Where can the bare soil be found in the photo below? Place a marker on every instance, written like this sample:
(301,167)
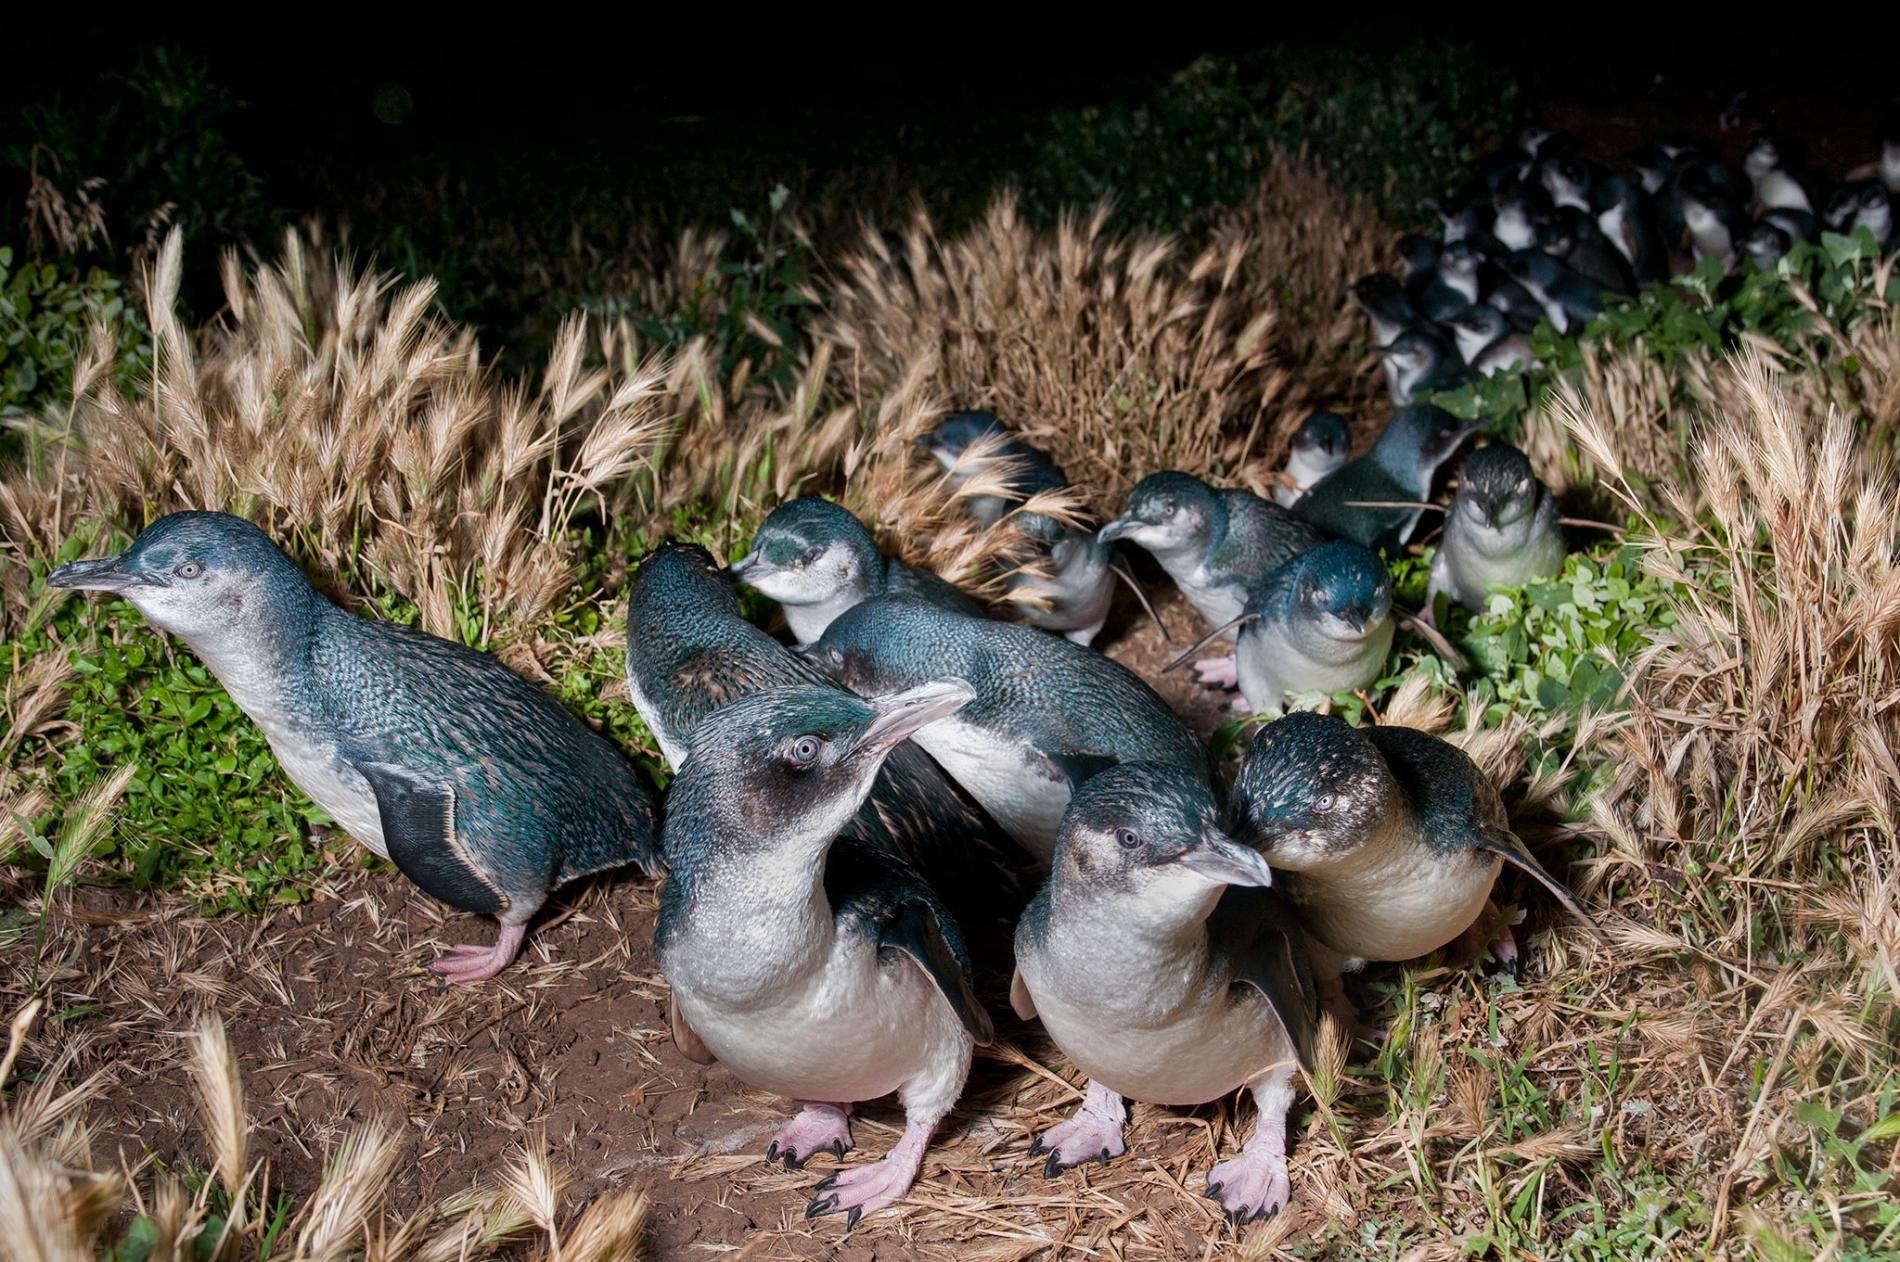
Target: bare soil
(334,1020)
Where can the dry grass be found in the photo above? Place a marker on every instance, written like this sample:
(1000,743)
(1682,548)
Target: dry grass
(1120,353)
(332,408)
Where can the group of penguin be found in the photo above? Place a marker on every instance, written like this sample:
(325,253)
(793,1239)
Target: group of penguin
(1539,232)
(839,806)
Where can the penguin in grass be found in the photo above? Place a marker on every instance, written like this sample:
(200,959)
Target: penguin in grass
(811,960)
(1388,840)
(1164,968)
(476,784)
(816,559)
(1320,445)
(1503,529)
(1321,623)
(1215,544)
(1046,715)
(1371,500)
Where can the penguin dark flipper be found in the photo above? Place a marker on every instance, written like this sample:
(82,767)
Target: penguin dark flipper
(917,932)
(1268,954)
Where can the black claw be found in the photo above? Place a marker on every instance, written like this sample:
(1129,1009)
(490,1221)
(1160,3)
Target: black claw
(820,1205)
(851,1219)
(771,1153)
(837,1146)
(828,1182)
(794,1162)
(1213,1192)
(1104,1156)
(1052,1167)
(1035,1146)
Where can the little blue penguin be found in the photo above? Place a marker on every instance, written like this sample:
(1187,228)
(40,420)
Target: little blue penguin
(1418,363)
(475,783)
(1215,544)
(809,961)
(1166,971)
(817,560)
(1503,529)
(1047,714)
(1320,445)
(1028,471)
(1320,623)
(1488,342)
(1399,469)
(1387,840)
(1073,593)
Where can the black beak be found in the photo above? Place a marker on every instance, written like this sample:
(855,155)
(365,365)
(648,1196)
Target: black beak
(106,574)
(1120,528)
(1219,857)
(1356,619)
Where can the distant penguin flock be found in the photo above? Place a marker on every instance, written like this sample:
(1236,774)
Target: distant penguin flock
(1539,233)
(850,803)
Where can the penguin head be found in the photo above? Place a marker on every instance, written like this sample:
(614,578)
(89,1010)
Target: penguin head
(1612,191)
(1765,245)
(205,577)
(1310,790)
(1343,589)
(883,644)
(1534,268)
(1166,512)
(1418,253)
(681,578)
(1323,437)
(807,552)
(1380,295)
(1655,167)
(958,430)
(793,765)
(1481,322)
(1154,831)
(1496,487)
(1459,261)
(1763,156)
(1412,352)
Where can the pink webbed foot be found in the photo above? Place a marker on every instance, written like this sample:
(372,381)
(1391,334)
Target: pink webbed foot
(1491,933)
(472,963)
(1255,1184)
(865,1190)
(1093,1134)
(818,1127)
(1217,672)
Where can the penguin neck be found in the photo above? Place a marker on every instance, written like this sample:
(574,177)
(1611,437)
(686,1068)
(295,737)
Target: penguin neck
(1146,934)
(262,656)
(756,918)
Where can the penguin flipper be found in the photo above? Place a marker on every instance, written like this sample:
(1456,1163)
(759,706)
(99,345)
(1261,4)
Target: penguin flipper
(1021,1002)
(914,930)
(690,1045)
(1509,847)
(1077,768)
(1257,930)
(418,819)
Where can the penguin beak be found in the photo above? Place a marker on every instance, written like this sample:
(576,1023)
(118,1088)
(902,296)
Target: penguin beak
(898,715)
(742,570)
(1355,617)
(1220,858)
(106,574)
(1120,528)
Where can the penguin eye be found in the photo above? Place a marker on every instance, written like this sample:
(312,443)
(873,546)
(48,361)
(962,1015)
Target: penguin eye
(1167,510)
(804,751)
(189,569)
(1127,838)
(1324,804)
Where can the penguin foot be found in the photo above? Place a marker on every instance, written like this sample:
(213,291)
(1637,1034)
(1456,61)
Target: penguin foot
(1504,951)
(1252,1185)
(818,1127)
(472,963)
(864,1190)
(1217,672)
(1093,1134)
